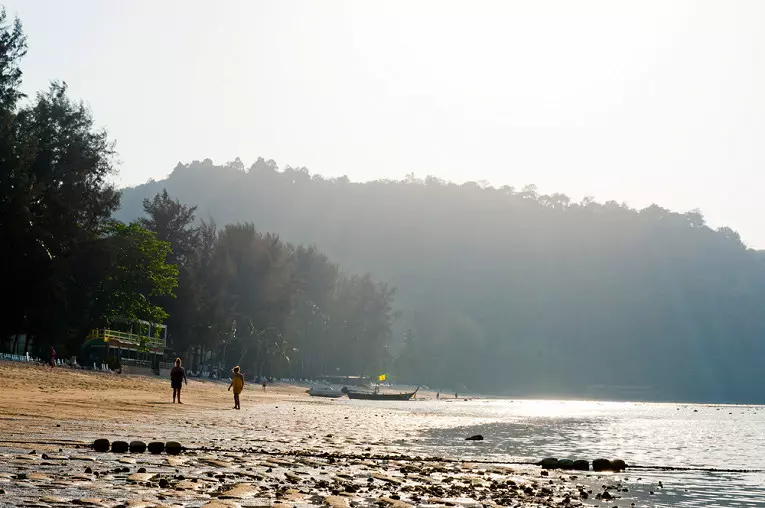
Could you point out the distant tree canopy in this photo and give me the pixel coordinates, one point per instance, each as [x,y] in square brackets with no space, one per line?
[248,298]
[515,292]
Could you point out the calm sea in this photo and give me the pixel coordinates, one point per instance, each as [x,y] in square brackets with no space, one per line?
[721,437]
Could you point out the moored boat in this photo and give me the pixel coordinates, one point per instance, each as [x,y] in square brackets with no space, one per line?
[326,392]
[377,395]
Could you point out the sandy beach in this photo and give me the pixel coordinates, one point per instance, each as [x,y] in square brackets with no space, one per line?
[283,448]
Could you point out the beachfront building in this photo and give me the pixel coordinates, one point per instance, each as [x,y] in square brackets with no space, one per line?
[132,343]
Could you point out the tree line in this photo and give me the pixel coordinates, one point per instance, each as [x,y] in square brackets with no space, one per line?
[246,297]
[228,295]
[516,292]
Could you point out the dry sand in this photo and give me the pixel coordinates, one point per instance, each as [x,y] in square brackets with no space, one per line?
[283,448]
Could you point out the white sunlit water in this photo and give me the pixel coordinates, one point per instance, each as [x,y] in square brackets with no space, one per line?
[720,437]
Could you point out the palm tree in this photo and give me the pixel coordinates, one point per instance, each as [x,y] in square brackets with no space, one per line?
[280,350]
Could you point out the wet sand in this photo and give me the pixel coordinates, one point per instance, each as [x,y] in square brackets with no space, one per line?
[283,449]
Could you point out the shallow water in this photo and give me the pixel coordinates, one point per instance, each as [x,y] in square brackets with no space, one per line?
[677,435]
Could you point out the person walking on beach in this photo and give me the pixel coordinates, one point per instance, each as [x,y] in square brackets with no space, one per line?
[238,384]
[52,354]
[177,378]
[264,384]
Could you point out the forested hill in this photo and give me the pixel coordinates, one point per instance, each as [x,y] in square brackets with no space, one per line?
[511,292]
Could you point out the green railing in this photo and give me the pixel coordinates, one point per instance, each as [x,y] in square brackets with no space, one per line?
[127,338]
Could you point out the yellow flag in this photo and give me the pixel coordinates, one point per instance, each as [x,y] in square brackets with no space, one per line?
[381,377]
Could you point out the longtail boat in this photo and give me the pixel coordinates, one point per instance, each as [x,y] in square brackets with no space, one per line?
[377,395]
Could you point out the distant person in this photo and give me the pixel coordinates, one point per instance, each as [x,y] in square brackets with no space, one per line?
[52,355]
[238,384]
[438,395]
[177,378]
[264,384]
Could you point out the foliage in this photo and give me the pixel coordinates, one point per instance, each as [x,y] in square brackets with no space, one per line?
[137,271]
[173,222]
[509,291]
[54,194]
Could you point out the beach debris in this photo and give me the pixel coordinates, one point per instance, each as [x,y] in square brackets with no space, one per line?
[477,437]
[120,447]
[156,447]
[101,445]
[137,447]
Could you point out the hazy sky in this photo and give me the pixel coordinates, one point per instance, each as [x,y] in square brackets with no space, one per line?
[641,101]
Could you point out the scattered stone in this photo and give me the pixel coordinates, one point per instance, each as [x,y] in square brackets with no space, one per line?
[581,465]
[240,491]
[101,445]
[173,447]
[386,479]
[549,463]
[221,504]
[176,461]
[137,447]
[141,477]
[337,502]
[120,447]
[89,501]
[54,500]
[393,503]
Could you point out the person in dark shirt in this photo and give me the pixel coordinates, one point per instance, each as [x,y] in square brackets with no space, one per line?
[177,378]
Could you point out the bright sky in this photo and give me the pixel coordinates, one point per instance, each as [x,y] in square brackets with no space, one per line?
[641,101]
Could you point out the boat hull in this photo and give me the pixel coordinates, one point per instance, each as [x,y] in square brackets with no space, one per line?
[326,395]
[379,396]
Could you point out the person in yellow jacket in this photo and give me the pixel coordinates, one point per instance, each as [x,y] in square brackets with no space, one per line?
[238,384]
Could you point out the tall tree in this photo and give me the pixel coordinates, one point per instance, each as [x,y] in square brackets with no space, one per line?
[173,223]
[54,192]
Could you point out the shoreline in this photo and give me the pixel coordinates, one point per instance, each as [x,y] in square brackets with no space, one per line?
[284,448]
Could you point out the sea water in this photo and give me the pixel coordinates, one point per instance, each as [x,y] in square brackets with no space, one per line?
[713,437]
